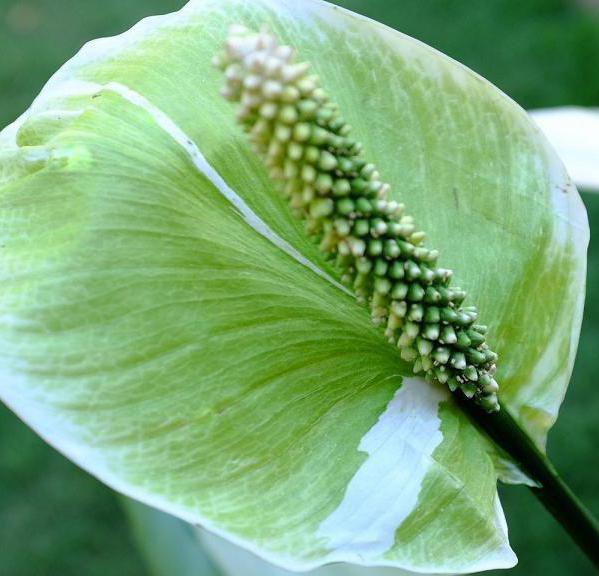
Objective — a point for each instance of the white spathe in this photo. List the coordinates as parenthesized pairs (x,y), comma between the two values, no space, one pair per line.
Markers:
(574,133)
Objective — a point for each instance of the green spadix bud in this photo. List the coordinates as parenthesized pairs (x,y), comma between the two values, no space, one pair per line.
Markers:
(305,143)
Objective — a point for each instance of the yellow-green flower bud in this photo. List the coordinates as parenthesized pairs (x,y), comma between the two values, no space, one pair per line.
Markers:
(306,147)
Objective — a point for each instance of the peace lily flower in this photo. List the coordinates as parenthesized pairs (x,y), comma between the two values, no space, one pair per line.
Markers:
(169,326)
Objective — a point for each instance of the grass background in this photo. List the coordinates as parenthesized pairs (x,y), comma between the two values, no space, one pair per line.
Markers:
(55,520)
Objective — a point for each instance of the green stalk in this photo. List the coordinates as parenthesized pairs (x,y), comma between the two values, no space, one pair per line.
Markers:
(552,491)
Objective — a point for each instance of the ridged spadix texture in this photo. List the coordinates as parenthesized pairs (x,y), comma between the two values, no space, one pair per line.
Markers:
(307,147)
(166,322)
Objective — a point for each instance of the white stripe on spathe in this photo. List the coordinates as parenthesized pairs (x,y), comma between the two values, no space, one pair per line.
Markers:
(233,561)
(56,90)
(385,489)
(200,162)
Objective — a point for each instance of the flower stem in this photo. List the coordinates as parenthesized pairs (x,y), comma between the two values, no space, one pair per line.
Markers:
(552,491)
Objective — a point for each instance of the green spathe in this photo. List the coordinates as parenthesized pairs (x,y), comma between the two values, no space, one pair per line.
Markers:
(168,325)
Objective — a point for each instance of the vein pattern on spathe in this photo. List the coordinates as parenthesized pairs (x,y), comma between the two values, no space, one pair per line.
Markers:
(200,162)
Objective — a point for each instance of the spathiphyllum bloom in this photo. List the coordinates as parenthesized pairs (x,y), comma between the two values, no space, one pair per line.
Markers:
(379,251)
(172,326)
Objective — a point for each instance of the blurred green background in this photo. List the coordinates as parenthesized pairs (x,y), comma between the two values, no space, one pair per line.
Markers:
(55,520)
